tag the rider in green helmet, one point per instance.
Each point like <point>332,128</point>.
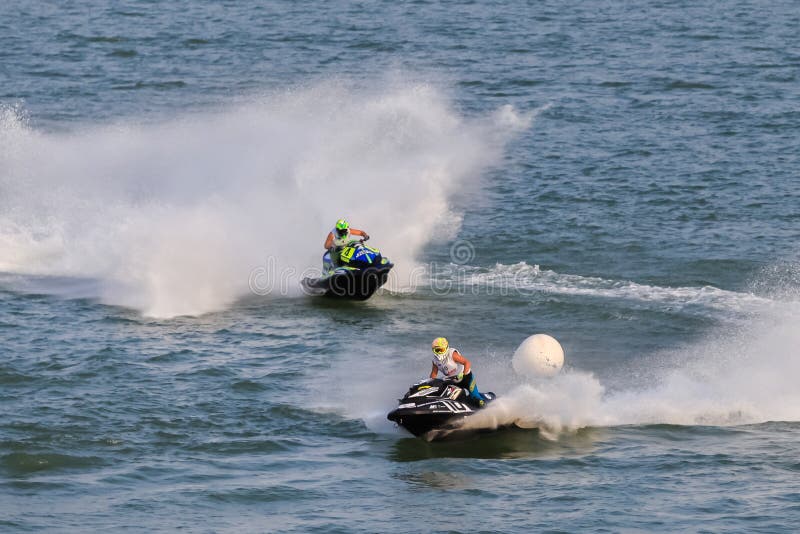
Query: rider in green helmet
<point>340,236</point>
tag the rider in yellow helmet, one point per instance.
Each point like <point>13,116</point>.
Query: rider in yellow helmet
<point>456,367</point>
<point>339,236</point>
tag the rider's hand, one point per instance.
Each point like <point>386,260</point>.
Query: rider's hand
<point>366,237</point>
<point>460,377</point>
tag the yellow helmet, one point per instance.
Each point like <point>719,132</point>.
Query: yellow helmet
<point>439,346</point>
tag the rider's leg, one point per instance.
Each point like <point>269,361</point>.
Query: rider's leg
<point>334,256</point>
<point>472,386</point>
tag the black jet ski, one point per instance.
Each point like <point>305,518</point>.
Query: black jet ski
<point>362,271</point>
<point>435,408</point>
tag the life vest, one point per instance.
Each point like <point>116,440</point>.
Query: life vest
<point>447,365</point>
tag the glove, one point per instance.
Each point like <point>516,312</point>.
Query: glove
<point>460,377</point>
<point>366,237</point>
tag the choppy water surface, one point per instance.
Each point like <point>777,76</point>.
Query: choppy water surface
<point>623,178</point>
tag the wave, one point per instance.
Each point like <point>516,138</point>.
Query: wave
<point>524,279</point>
<point>172,218</point>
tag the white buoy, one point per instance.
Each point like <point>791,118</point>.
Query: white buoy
<point>539,355</point>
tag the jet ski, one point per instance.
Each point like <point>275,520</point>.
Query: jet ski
<point>435,408</point>
<point>362,271</point>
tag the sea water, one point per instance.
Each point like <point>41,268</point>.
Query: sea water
<point>624,178</point>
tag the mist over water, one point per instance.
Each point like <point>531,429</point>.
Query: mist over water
<point>172,218</point>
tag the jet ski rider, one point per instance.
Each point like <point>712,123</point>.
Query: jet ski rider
<point>456,367</point>
<point>339,237</point>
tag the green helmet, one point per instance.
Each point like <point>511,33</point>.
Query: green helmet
<point>342,227</point>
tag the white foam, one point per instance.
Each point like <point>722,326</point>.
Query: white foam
<point>173,218</point>
<point>733,377</point>
<point>566,402</point>
<point>736,376</point>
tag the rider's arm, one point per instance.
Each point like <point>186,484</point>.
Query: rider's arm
<point>458,358</point>
<point>356,231</point>
<point>329,241</point>
<point>434,370</point>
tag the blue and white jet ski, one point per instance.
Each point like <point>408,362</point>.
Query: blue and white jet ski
<point>361,272</point>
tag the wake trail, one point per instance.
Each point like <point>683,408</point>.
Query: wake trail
<point>522,279</point>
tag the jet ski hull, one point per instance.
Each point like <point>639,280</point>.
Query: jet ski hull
<point>352,284</point>
<point>421,424</point>
<point>435,409</point>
